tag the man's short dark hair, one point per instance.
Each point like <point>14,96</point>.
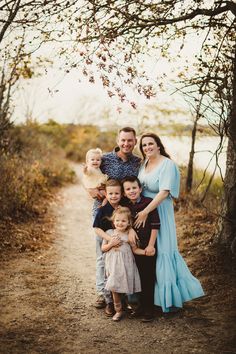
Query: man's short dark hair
<point>131,179</point>
<point>128,130</point>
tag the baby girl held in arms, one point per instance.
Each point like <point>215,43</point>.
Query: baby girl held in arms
<point>93,178</point>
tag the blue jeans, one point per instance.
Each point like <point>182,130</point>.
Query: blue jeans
<point>100,272</point>
<point>100,263</point>
<point>100,267</point>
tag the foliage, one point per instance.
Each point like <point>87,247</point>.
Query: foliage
<point>77,139</point>
<point>29,169</point>
<point>200,183</point>
<point>32,162</point>
<point>117,34</point>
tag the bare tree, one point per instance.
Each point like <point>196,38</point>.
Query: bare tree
<point>130,27</point>
<point>24,26</point>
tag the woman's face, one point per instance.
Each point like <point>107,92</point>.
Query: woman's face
<point>150,148</point>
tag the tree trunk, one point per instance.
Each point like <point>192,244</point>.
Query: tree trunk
<point>189,180</point>
<point>227,232</point>
<point>227,235</point>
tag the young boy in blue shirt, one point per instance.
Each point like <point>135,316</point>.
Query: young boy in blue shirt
<point>146,240</point>
<point>113,192</point>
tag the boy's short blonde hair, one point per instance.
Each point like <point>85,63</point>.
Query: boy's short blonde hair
<point>122,210</point>
<point>113,183</point>
<point>96,151</point>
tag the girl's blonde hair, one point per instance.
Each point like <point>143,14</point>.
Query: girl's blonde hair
<point>125,211</point>
<point>93,151</point>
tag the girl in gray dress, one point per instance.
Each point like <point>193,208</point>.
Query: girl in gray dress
<point>121,270</point>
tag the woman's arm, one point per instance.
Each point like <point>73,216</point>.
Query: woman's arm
<point>142,215</point>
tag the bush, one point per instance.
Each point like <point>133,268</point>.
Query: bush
<point>32,165</point>
<point>84,138</point>
<point>22,184</point>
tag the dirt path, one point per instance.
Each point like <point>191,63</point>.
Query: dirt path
<point>46,301</point>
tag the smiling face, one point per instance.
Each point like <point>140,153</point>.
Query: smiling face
<point>113,195</point>
<point>94,160</point>
<point>132,190</point>
<point>121,222</point>
<point>126,142</point>
<point>149,147</point>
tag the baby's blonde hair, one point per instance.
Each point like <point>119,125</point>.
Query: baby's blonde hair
<point>93,151</point>
<point>122,210</point>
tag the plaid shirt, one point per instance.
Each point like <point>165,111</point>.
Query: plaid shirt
<point>116,168</point>
<point>152,222</point>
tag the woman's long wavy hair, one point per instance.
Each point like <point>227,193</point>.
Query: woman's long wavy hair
<point>158,142</point>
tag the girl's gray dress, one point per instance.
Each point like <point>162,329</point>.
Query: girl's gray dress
<point>121,270</point>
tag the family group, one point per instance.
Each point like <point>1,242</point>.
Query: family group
<point>137,257</point>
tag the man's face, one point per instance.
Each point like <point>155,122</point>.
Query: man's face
<point>113,194</point>
<point>132,190</point>
<point>126,142</point>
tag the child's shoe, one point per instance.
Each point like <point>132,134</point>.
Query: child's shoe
<point>148,317</point>
<point>100,302</point>
<point>109,310</point>
<point>117,316</point>
<point>119,313</point>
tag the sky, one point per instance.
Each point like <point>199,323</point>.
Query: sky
<point>70,98</point>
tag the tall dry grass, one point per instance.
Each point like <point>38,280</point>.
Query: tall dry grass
<point>30,167</point>
<point>209,201</point>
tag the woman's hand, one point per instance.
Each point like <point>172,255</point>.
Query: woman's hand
<point>150,251</point>
<point>141,218</point>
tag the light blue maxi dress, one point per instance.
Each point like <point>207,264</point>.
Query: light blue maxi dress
<point>175,284</point>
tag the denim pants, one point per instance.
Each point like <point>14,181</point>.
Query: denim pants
<point>100,272</point>
<point>100,265</point>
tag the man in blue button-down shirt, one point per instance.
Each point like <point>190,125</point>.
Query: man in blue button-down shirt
<point>118,164</point>
<point>121,162</point>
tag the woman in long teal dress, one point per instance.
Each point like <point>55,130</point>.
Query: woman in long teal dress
<point>160,179</point>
